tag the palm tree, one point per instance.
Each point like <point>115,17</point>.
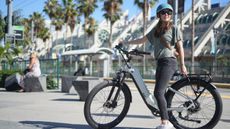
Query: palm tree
<point>86,8</point>
<point>50,9</point>
<point>70,15</point>
<point>55,12</point>
<point>27,28</point>
<point>8,53</point>
<point>56,16</point>
<point>39,22</point>
<point>44,34</point>
<point>58,19</point>
<point>144,6</point>
<point>40,31</point>
<point>91,27</point>
<point>112,10</point>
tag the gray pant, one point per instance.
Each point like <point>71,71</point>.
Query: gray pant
<point>166,67</point>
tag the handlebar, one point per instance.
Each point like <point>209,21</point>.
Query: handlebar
<point>137,52</point>
<point>132,52</point>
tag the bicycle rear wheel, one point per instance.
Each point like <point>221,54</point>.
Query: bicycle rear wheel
<point>201,104</point>
<point>103,113</point>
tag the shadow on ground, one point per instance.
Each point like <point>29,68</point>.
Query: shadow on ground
<point>67,100</point>
<point>225,120</point>
<point>54,125</point>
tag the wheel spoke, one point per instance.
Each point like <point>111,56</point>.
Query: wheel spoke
<point>106,112</point>
<point>201,108</point>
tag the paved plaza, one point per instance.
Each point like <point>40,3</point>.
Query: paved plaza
<point>56,110</point>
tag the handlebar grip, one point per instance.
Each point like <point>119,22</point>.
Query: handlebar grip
<point>145,53</point>
<point>135,51</point>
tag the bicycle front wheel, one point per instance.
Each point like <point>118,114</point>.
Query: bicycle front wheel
<point>101,110</point>
<point>197,105</point>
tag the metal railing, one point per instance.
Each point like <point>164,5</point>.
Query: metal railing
<point>57,68</point>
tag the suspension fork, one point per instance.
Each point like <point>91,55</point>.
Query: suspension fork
<point>119,82</point>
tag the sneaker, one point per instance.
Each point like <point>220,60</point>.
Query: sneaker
<point>169,125</point>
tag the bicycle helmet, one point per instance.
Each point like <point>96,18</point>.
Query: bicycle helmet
<point>164,6</point>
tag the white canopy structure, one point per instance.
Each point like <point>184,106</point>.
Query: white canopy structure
<point>88,51</point>
<point>93,51</point>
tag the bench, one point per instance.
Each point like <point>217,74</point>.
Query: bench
<point>35,84</point>
<point>83,85</point>
<point>66,83</point>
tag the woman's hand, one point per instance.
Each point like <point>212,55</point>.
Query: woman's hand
<point>175,52</point>
<point>120,42</point>
<point>183,70</point>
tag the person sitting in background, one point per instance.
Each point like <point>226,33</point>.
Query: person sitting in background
<point>80,71</point>
<point>34,66</point>
<point>33,70</point>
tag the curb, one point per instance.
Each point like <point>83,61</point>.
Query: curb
<point>222,85</point>
<point>218,85</point>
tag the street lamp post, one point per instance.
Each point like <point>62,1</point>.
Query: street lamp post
<point>9,18</point>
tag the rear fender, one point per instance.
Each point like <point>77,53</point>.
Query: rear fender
<point>192,79</point>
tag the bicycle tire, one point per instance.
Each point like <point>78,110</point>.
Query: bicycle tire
<point>94,118</point>
<point>213,105</point>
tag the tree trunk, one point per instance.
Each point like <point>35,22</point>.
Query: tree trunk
<point>66,32</point>
<point>110,35</point>
<point>85,35</point>
<point>145,12</point>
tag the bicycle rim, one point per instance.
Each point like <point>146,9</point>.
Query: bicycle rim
<point>203,114</point>
<point>101,113</point>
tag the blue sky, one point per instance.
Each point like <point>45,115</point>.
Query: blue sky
<point>30,6</point>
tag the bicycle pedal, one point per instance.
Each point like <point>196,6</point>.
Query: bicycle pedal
<point>156,113</point>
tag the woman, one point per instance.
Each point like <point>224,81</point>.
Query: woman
<point>33,70</point>
<point>34,66</point>
<point>166,55</point>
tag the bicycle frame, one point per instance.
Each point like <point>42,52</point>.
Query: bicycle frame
<point>148,98</point>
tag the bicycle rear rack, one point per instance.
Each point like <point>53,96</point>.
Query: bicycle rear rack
<point>206,77</point>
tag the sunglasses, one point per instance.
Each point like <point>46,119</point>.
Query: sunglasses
<point>163,12</point>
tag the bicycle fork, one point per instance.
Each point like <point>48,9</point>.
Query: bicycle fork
<point>112,102</point>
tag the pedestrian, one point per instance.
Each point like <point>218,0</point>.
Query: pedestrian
<point>167,48</point>
<point>33,70</point>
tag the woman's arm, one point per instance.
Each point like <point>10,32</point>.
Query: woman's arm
<point>138,41</point>
<point>180,48</point>
<point>32,61</point>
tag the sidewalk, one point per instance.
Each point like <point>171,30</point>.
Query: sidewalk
<point>56,110</point>
<point>53,109</point>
